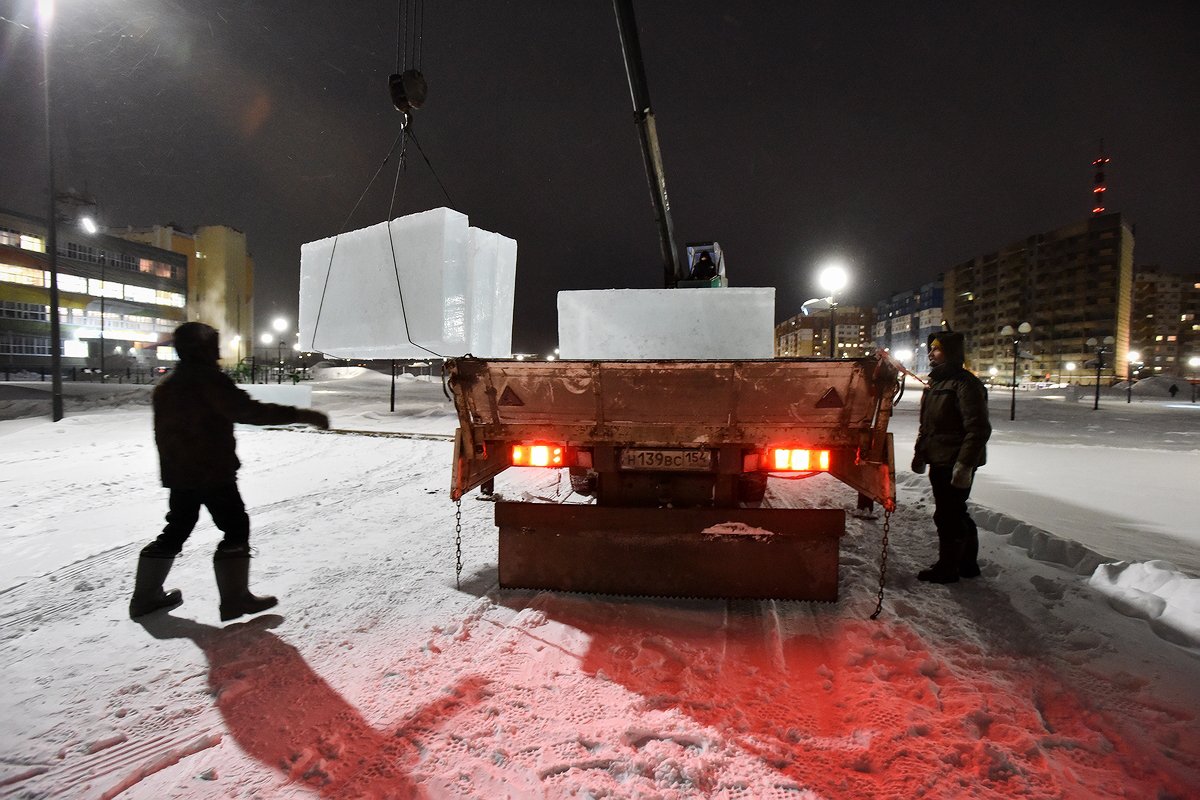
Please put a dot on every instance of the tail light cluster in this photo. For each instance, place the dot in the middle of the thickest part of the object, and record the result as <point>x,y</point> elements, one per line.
<point>549,455</point>
<point>796,459</point>
<point>775,459</point>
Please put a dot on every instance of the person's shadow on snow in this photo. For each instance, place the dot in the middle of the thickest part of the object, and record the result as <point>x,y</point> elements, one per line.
<point>286,716</point>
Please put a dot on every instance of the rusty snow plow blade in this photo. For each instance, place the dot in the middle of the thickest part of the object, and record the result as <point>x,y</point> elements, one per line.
<point>753,553</point>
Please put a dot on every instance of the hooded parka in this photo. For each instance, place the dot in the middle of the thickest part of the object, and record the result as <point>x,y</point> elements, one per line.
<point>954,426</point>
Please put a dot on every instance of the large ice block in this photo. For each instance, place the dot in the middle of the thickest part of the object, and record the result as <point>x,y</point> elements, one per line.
<point>493,274</point>
<point>694,324</point>
<point>411,288</point>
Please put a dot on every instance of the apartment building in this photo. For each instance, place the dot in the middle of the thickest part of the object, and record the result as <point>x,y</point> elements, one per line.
<point>1070,285</point>
<point>1165,324</point>
<point>808,335</point>
<point>118,300</point>
<point>904,321</point>
<point>220,279</point>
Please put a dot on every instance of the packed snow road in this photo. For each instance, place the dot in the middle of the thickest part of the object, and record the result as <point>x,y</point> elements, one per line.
<point>378,677</point>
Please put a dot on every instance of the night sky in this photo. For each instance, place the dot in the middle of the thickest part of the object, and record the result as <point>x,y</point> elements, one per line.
<point>904,137</point>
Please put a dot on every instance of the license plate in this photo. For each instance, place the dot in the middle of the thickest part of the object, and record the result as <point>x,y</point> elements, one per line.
<point>637,458</point>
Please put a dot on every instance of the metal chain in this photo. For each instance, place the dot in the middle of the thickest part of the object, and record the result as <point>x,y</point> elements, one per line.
<point>458,543</point>
<point>887,525</point>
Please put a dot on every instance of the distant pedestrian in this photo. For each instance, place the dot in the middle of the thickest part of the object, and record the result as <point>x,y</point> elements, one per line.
<point>195,408</point>
<point>1174,390</point>
<point>952,439</point>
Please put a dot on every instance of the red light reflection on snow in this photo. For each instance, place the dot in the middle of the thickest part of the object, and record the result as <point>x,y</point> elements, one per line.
<point>854,709</point>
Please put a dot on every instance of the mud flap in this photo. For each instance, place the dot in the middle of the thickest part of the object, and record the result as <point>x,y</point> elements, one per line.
<point>759,553</point>
<point>875,479</point>
<point>474,469</point>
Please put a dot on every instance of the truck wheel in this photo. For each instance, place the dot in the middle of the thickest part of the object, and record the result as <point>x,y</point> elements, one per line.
<point>751,488</point>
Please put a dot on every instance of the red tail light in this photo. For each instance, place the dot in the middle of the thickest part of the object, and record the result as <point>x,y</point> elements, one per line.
<point>538,455</point>
<point>794,459</point>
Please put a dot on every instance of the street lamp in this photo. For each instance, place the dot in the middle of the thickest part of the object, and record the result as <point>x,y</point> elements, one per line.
<point>1070,371</point>
<point>832,279</point>
<point>1007,330</point>
<point>46,19</point>
<point>266,339</point>
<point>89,227</point>
<point>1131,358</point>
<point>280,324</point>
<point>1101,349</point>
<point>1194,363</point>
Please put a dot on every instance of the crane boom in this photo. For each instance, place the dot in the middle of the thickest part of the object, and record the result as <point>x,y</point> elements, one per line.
<point>644,119</point>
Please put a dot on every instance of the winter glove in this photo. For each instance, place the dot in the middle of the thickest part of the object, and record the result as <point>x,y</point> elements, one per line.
<point>918,465</point>
<point>961,479</point>
<point>317,419</point>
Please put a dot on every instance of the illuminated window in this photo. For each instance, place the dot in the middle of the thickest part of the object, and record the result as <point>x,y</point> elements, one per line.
<point>24,275</point>
<point>72,283</point>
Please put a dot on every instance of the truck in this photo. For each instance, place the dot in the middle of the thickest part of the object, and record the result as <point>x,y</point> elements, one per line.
<point>673,455</point>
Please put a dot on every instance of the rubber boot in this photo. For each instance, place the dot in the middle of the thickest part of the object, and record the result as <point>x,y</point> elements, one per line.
<point>950,553</point>
<point>232,569</point>
<point>148,594</point>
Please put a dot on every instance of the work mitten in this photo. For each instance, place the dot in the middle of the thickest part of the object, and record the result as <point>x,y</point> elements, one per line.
<point>962,477</point>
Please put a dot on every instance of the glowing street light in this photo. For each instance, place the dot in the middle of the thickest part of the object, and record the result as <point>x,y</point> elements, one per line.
<point>1131,358</point>
<point>832,278</point>
<point>1070,367</point>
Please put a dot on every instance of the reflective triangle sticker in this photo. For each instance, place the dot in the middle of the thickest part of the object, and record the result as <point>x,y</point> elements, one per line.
<point>831,399</point>
<point>509,398</point>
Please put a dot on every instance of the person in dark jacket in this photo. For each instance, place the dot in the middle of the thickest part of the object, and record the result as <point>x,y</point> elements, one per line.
<point>952,441</point>
<point>195,408</point>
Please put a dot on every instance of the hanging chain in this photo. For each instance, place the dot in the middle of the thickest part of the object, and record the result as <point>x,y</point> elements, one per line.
<point>458,543</point>
<point>887,525</point>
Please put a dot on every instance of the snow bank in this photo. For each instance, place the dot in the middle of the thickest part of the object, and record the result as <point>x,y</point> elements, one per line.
<point>362,374</point>
<point>1156,592</point>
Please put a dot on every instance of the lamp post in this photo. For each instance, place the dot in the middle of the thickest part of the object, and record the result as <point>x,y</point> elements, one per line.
<point>1101,348</point>
<point>832,279</point>
<point>1070,371</point>
<point>89,227</point>
<point>1194,363</point>
<point>280,324</point>
<point>1131,358</point>
<point>46,19</point>
<point>1007,330</point>
<point>267,339</point>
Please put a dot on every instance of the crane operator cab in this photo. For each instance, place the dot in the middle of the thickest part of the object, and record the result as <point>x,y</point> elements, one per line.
<point>705,267</point>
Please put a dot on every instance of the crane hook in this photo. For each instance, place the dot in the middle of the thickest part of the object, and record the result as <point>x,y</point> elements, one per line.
<point>408,90</point>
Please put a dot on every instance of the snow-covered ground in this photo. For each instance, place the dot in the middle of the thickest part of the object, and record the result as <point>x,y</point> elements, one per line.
<point>1054,675</point>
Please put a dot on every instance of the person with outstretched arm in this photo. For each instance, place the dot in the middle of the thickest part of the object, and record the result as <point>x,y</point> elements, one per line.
<point>195,408</point>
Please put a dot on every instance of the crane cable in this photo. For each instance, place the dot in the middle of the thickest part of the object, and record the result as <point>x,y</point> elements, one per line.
<point>408,90</point>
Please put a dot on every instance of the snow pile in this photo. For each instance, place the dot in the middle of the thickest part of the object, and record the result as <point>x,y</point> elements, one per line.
<point>1156,592</point>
